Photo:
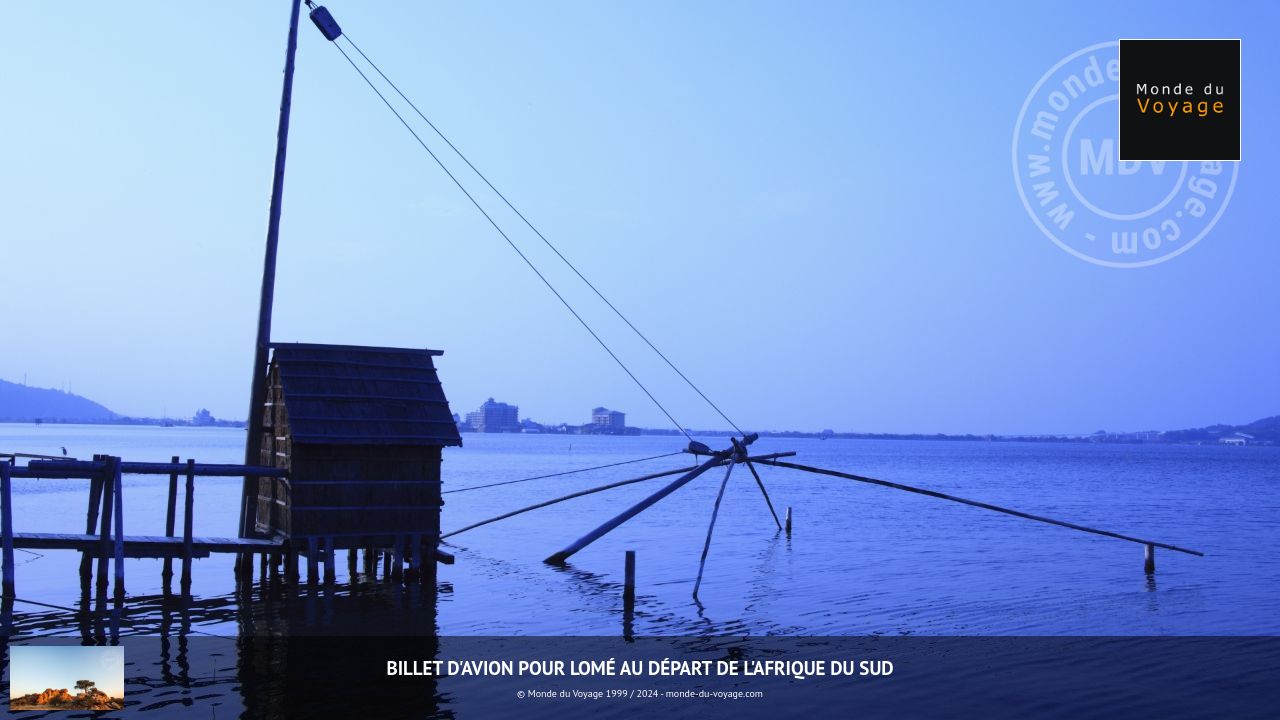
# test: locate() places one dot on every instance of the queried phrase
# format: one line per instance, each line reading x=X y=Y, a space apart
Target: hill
x=1266 y=430
x=21 y=403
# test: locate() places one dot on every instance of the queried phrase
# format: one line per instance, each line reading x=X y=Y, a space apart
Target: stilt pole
x=634 y=510
x=715 y=511
x=6 y=528
x=760 y=484
x=188 y=525
x=117 y=483
x=170 y=519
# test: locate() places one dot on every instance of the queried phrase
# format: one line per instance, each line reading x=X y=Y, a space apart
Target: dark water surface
x=862 y=561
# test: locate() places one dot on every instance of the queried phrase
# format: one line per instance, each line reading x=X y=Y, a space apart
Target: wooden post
x=91 y=520
x=386 y=565
x=629 y=583
x=715 y=511
x=330 y=557
x=788 y=521
x=188 y=523
x=262 y=348
x=171 y=518
x=563 y=555
x=104 y=525
x=415 y=557
x=117 y=482
x=369 y=561
x=1149 y=560
x=263 y=563
x=313 y=574
x=760 y=484
x=397 y=558
x=291 y=565
x=6 y=527
x=351 y=564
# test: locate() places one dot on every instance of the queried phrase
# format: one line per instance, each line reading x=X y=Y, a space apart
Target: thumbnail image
x=66 y=677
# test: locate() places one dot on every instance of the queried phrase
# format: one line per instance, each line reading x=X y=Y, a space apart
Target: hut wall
x=276 y=443
x=355 y=491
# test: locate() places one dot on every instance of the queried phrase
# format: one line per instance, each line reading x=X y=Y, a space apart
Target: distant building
x=494 y=417
x=607 y=422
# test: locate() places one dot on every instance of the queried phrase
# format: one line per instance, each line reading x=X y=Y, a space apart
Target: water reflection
x=270 y=649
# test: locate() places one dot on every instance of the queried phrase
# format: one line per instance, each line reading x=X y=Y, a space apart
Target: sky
x=809 y=207
x=36 y=668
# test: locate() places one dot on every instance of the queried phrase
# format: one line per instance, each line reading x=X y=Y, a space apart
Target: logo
x=1082 y=196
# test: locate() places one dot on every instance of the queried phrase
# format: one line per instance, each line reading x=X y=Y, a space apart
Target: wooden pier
x=104 y=538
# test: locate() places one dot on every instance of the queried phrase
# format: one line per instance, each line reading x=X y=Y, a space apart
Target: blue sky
x=35 y=668
x=808 y=206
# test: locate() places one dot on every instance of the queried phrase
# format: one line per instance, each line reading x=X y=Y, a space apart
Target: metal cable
x=542 y=237
x=567 y=472
x=524 y=257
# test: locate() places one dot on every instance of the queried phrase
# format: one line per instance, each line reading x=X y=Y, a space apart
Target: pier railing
x=104 y=537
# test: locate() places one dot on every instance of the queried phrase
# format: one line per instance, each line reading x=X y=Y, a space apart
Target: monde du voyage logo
x=1128 y=164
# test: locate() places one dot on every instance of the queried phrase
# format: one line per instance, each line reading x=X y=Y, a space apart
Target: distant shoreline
x=1213 y=435
x=159 y=422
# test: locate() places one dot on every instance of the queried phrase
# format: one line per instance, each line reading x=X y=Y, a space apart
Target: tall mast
x=261 y=348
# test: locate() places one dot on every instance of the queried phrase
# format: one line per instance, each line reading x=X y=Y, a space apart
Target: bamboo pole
x=261 y=347
x=975 y=503
x=715 y=512
x=590 y=491
x=609 y=525
x=764 y=492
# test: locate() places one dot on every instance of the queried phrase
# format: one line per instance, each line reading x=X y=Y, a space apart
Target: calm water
x=862 y=560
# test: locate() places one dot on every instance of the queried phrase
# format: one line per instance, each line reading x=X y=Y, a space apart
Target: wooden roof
x=356 y=395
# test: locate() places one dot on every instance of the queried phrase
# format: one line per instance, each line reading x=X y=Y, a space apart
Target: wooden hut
x=360 y=430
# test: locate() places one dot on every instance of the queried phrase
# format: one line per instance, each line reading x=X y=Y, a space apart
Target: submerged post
x=629 y=583
x=1149 y=559
x=262 y=344
x=6 y=527
x=788 y=521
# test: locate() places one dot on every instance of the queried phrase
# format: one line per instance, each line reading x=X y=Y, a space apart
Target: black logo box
x=1185 y=67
